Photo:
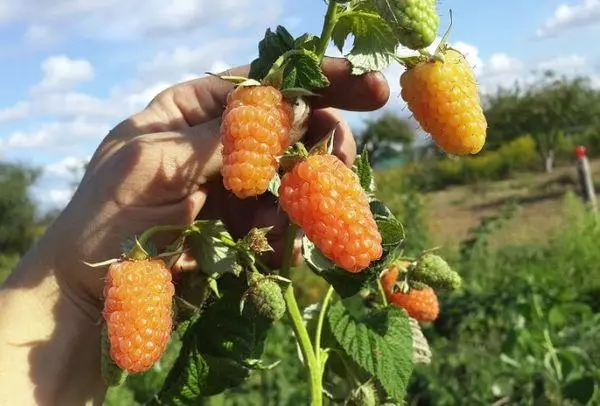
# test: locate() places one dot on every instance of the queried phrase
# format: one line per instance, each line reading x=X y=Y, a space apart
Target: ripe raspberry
x=325 y=198
x=254 y=131
x=443 y=97
x=415 y=22
x=421 y=305
x=137 y=309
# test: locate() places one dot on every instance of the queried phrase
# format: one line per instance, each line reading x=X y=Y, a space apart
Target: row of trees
x=549 y=110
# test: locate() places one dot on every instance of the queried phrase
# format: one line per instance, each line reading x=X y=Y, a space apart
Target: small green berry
x=266 y=297
x=414 y=22
x=434 y=271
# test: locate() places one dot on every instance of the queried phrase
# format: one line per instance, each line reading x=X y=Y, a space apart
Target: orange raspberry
x=444 y=99
x=254 y=132
x=324 y=197
x=137 y=309
x=422 y=305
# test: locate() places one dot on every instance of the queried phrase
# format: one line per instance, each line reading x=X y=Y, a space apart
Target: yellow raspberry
x=444 y=99
x=254 y=132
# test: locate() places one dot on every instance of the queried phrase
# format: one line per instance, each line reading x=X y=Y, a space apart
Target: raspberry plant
x=225 y=308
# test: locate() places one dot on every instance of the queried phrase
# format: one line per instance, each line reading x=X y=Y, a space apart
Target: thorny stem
x=328 y=26
x=317 y=342
x=288 y=253
x=306 y=347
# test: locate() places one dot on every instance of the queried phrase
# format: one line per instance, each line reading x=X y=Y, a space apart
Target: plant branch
x=331 y=19
x=306 y=347
x=317 y=343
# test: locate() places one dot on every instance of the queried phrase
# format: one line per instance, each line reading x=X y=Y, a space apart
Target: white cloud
x=67 y=167
x=503 y=64
x=567 y=16
x=57 y=135
x=63 y=73
x=183 y=60
x=471 y=53
x=134 y=19
x=564 y=64
x=39 y=35
x=16 y=112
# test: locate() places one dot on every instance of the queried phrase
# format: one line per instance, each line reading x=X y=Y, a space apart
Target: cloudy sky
x=72 y=69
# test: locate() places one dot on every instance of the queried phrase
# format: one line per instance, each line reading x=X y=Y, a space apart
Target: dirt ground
x=453 y=212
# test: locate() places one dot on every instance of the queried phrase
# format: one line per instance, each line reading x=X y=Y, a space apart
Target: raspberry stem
x=331 y=19
x=317 y=345
x=300 y=331
x=306 y=347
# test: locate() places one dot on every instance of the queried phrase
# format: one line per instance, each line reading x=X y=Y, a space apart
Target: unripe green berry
x=434 y=271
x=265 y=295
x=414 y=22
x=364 y=395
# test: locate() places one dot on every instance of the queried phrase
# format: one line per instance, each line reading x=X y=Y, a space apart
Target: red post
x=585 y=177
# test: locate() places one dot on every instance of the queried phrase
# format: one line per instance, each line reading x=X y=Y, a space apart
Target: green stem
x=552 y=350
x=331 y=19
x=143 y=239
x=305 y=347
x=382 y=292
x=288 y=253
x=317 y=344
x=308 y=352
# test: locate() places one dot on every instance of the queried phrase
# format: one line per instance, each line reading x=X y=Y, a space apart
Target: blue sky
x=72 y=69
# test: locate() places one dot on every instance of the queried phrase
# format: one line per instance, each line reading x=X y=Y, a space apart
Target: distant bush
x=7 y=264
x=515 y=156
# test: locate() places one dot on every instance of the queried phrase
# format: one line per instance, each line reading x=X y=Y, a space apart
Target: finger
x=321 y=123
x=193 y=102
x=347 y=92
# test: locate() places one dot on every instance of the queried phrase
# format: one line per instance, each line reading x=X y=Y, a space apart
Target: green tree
x=17 y=210
x=551 y=108
x=385 y=136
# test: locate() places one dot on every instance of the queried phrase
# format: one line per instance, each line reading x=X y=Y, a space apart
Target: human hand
x=161 y=166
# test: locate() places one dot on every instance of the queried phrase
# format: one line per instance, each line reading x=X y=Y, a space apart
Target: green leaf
x=307 y=41
x=363 y=169
x=390 y=228
x=380 y=342
x=374 y=39
x=345 y=283
x=392 y=232
x=220 y=349
x=303 y=70
x=274 y=185
x=270 y=49
x=211 y=246
x=580 y=390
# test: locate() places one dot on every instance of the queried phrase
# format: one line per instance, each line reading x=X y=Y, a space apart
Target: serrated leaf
x=374 y=39
x=421 y=349
x=391 y=230
x=307 y=41
x=363 y=169
x=345 y=283
x=379 y=209
x=380 y=343
x=303 y=70
x=270 y=48
x=206 y=241
x=220 y=349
